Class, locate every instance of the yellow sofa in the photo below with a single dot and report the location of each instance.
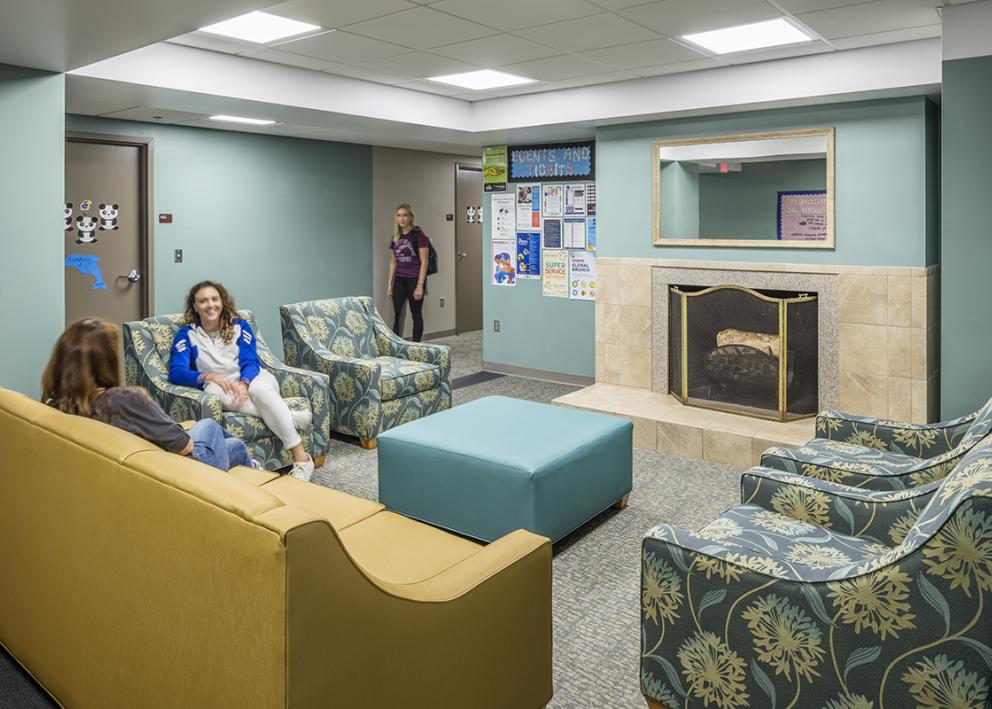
(132, 577)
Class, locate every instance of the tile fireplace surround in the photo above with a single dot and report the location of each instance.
(878, 337)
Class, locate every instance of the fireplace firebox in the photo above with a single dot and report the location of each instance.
(744, 351)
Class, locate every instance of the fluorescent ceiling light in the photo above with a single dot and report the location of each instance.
(479, 80)
(239, 119)
(259, 27)
(759, 35)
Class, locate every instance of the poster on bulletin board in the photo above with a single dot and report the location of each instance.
(553, 199)
(555, 273)
(574, 233)
(503, 215)
(552, 233)
(494, 168)
(503, 263)
(591, 234)
(802, 216)
(575, 200)
(582, 276)
(591, 199)
(528, 207)
(528, 254)
(552, 162)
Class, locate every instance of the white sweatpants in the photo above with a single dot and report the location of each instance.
(264, 401)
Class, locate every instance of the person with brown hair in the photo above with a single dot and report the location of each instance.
(216, 352)
(83, 378)
(410, 251)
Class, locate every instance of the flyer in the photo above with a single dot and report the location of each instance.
(555, 273)
(528, 207)
(802, 216)
(552, 233)
(591, 234)
(502, 265)
(552, 196)
(575, 199)
(529, 254)
(503, 211)
(591, 199)
(582, 276)
(494, 168)
(574, 233)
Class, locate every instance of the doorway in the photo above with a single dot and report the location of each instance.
(107, 227)
(468, 248)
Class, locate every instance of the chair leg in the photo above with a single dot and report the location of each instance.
(368, 443)
(318, 462)
(621, 504)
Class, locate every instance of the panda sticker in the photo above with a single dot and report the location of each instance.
(108, 217)
(67, 215)
(87, 229)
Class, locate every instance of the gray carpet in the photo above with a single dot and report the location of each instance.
(596, 569)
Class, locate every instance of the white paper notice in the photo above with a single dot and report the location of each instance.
(553, 198)
(503, 211)
(555, 273)
(575, 199)
(582, 276)
(574, 233)
(528, 207)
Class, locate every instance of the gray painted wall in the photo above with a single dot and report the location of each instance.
(32, 144)
(277, 220)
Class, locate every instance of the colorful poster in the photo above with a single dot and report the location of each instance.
(591, 234)
(494, 168)
(575, 199)
(582, 276)
(554, 162)
(802, 216)
(555, 273)
(529, 254)
(574, 233)
(502, 265)
(503, 211)
(552, 233)
(553, 200)
(528, 207)
(590, 199)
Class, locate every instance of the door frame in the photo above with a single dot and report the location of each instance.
(146, 225)
(474, 167)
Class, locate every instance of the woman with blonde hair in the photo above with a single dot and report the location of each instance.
(410, 254)
(216, 352)
(83, 378)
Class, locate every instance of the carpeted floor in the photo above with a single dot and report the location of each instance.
(596, 569)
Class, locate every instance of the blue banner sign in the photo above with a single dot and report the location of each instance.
(554, 162)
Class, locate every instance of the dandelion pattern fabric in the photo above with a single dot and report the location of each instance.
(804, 597)
(147, 345)
(378, 380)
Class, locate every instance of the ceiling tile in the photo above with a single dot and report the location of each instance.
(279, 57)
(214, 43)
(659, 51)
(496, 50)
(871, 17)
(431, 87)
(557, 68)
(331, 14)
(619, 4)
(593, 32)
(366, 74)
(674, 18)
(419, 65)
(153, 115)
(507, 91)
(797, 6)
(868, 40)
(510, 15)
(608, 78)
(343, 47)
(678, 67)
(421, 28)
(764, 55)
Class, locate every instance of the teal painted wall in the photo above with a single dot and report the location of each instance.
(32, 311)
(277, 220)
(881, 169)
(966, 237)
(744, 205)
(680, 182)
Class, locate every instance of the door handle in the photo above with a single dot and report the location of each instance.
(461, 255)
(133, 276)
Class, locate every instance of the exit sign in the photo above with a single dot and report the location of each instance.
(165, 219)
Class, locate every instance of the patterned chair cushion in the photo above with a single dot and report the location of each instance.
(402, 377)
(824, 451)
(252, 428)
(343, 325)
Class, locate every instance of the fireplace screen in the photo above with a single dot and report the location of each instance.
(744, 351)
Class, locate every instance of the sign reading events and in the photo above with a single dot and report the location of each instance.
(553, 162)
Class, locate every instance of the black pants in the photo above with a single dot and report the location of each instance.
(403, 287)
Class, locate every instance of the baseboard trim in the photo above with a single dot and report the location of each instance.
(439, 334)
(539, 374)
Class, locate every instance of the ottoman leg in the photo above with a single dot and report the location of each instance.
(653, 705)
(622, 502)
(318, 462)
(368, 443)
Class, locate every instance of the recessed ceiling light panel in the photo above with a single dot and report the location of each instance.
(742, 38)
(240, 119)
(259, 27)
(479, 80)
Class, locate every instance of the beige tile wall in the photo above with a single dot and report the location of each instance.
(623, 325)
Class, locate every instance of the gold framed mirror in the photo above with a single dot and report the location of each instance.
(753, 190)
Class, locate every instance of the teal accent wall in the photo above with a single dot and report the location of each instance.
(880, 190)
(32, 310)
(277, 220)
(680, 183)
(966, 236)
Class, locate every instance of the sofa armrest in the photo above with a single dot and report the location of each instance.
(918, 440)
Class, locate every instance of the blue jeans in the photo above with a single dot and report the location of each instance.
(215, 446)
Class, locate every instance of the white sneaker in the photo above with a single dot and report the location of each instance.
(301, 419)
(302, 471)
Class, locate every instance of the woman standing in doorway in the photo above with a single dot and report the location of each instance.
(410, 250)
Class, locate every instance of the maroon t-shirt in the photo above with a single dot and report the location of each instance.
(407, 254)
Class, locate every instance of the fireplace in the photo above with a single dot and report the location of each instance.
(744, 351)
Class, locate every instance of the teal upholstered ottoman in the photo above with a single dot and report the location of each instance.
(497, 464)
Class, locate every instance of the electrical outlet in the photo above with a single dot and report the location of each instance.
(178, 256)
(442, 301)
(495, 325)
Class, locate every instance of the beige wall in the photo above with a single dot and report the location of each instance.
(427, 182)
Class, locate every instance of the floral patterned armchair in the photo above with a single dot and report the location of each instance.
(147, 345)
(882, 455)
(816, 594)
(378, 380)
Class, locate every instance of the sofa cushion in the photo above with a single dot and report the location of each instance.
(402, 377)
(251, 428)
(340, 509)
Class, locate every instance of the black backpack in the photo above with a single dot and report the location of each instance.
(431, 257)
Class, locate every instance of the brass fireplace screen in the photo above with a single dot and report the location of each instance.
(744, 351)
